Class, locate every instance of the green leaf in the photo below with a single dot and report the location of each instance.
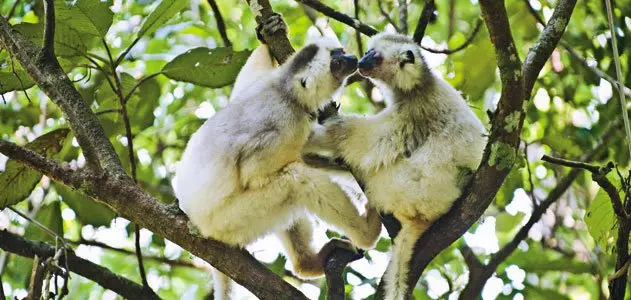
(11, 82)
(537, 260)
(213, 68)
(17, 181)
(48, 215)
(600, 219)
(84, 16)
(68, 42)
(88, 211)
(164, 12)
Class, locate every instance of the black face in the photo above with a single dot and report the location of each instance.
(342, 64)
(369, 61)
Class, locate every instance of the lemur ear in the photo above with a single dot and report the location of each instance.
(407, 57)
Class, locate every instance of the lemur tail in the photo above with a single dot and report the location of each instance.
(222, 285)
(396, 276)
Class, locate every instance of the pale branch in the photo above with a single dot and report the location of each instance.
(278, 42)
(346, 19)
(547, 42)
(482, 273)
(571, 163)
(463, 46)
(133, 203)
(38, 273)
(101, 275)
(426, 16)
(221, 25)
(53, 81)
(115, 188)
(403, 16)
(576, 55)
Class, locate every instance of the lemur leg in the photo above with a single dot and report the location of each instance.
(222, 285)
(326, 199)
(396, 275)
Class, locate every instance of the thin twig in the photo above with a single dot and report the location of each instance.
(426, 16)
(616, 59)
(132, 160)
(386, 15)
(13, 8)
(37, 279)
(221, 26)
(107, 111)
(451, 18)
(531, 191)
(571, 163)
(328, 11)
(620, 272)
(138, 84)
(40, 225)
(464, 45)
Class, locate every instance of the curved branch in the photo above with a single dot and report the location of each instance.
(221, 25)
(330, 12)
(464, 45)
(424, 19)
(101, 275)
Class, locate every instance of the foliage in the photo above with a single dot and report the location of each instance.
(170, 59)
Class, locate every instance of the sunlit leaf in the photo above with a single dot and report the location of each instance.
(17, 181)
(87, 210)
(207, 67)
(84, 16)
(164, 12)
(601, 220)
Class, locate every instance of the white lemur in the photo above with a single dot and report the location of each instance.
(413, 157)
(241, 175)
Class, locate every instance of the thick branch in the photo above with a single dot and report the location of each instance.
(478, 279)
(53, 81)
(278, 43)
(479, 193)
(49, 30)
(346, 19)
(221, 25)
(424, 19)
(542, 49)
(334, 270)
(133, 203)
(104, 277)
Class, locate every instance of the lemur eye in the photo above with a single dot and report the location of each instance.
(303, 82)
(407, 58)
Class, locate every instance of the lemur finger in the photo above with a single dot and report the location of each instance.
(274, 24)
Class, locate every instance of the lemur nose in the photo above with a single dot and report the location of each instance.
(370, 60)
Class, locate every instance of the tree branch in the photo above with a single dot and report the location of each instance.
(464, 45)
(403, 16)
(48, 51)
(334, 271)
(119, 191)
(386, 15)
(37, 279)
(53, 81)
(547, 42)
(500, 152)
(221, 25)
(278, 42)
(104, 277)
(346, 19)
(426, 16)
(478, 279)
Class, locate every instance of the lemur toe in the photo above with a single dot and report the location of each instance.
(274, 24)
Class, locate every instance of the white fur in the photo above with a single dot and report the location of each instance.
(241, 176)
(416, 189)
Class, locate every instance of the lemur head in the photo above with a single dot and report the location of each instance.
(395, 60)
(317, 71)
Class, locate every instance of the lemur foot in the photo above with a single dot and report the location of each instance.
(338, 244)
(272, 25)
